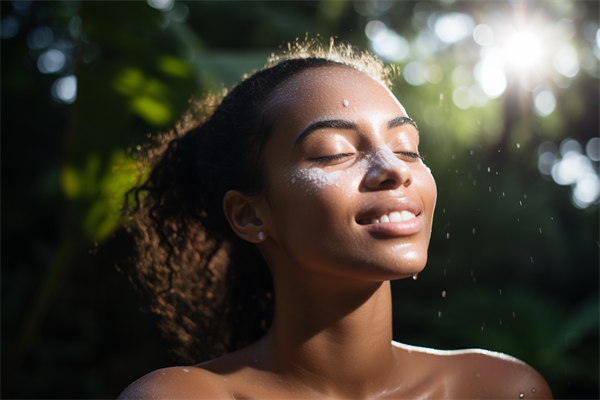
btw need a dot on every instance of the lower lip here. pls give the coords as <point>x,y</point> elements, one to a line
<point>403,228</point>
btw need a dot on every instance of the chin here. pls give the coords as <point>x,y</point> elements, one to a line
<point>408,264</point>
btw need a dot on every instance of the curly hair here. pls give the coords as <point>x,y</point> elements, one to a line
<point>211,291</point>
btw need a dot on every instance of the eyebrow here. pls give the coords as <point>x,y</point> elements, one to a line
<point>341,124</point>
<point>329,123</point>
<point>399,121</point>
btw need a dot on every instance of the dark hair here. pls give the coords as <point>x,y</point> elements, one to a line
<point>211,291</point>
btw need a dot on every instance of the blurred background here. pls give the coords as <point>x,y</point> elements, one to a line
<point>506,96</point>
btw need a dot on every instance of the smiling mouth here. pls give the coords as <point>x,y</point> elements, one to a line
<point>394,216</point>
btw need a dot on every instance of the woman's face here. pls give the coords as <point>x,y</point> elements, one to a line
<point>348,195</point>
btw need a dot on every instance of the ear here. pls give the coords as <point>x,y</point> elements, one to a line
<point>241,213</point>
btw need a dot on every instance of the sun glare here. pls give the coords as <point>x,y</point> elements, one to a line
<point>523,49</point>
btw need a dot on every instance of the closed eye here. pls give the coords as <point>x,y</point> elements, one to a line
<point>335,157</point>
<point>410,154</point>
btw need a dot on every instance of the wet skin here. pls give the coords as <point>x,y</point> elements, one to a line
<point>341,154</point>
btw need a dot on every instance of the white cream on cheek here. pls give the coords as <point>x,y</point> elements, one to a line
<point>317,177</point>
<point>315,180</point>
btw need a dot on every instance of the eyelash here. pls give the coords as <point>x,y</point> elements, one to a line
<point>331,158</point>
<point>411,154</point>
<point>337,157</point>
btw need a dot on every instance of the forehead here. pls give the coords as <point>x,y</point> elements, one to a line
<point>333,92</point>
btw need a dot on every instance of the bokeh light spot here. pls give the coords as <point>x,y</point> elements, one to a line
<point>593,149</point>
<point>544,103</point>
<point>65,89</point>
<point>453,27</point>
<point>565,61</point>
<point>40,38</point>
<point>414,73</point>
<point>51,61</point>
<point>163,5</point>
<point>9,27</point>
<point>434,73</point>
<point>385,42</point>
<point>483,35</point>
<point>181,12</point>
<point>462,97</point>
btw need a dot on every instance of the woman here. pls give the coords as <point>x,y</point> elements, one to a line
<point>315,163</point>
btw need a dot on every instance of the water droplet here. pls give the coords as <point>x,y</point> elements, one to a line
<point>518,145</point>
<point>502,194</point>
<point>453,156</point>
<point>488,169</point>
<point>473,231</point>
<point>498,151</point>
<point>521,395</point>
<point>444,292</point>
<point>471,152</point>
<point>520,203</point>
<point>186,370</point>
<point>415,277</point>
<point>517,219</point>
<point>441,96</point>
<point>533,390</point>
<point>444,211</point>
<point>500,290</point>
<point>500,322</point>
<point>531,260</point>
<point>447,236</point>
<point>293,180</point>
<point>346,103</point>
<point>513,314</point>
<point>540,230</point>
<point>524,196</point>
<point>490,188</point>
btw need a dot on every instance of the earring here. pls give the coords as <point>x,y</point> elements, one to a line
<point>261,236</point>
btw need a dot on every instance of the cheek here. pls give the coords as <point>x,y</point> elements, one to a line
<point>312,201</point>
<point>425,185</point>
<point>324,187</point>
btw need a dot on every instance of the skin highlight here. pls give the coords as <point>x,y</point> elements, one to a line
<point>331,335</point>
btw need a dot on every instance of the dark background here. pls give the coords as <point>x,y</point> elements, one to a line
<point>513,259</point>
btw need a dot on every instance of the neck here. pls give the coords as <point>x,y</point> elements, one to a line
<point>331,333</point>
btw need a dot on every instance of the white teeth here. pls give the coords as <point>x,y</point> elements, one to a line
<point>395,216</point>
<point>406,215</point>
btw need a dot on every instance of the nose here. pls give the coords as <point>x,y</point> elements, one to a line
<point>386,171</point>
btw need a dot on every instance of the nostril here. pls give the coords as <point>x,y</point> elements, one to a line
<point>388,182</point>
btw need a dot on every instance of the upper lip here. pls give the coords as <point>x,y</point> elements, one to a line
<point>387,206</point>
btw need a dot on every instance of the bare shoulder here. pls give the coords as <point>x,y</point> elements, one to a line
<point>497,375</point>
<point>476,373</point>
<point>176,383</point>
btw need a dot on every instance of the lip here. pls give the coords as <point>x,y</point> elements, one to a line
<point>401,228</point>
